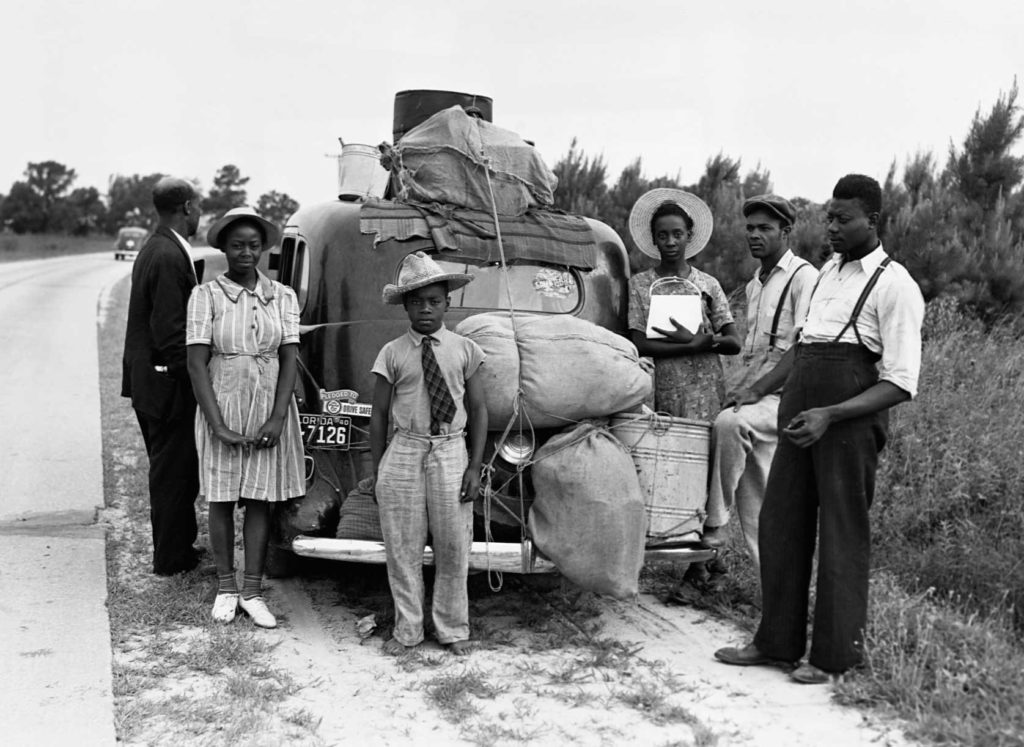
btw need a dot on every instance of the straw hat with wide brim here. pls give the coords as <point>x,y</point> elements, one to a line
<point>418,270</point>
<point>649,202</point>
<point>216,234</point>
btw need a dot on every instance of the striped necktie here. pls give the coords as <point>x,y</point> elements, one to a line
<point>442,406</point>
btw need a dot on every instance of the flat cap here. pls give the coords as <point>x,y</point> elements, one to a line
<point>774,204</point>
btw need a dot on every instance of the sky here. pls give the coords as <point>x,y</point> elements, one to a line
<point>808,90</point>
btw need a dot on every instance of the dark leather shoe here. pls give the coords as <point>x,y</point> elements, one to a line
<point>748,656</point>
<point>192,560</point>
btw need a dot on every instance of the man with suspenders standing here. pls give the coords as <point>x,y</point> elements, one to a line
<point>859,354</point>
<point>745,433</point>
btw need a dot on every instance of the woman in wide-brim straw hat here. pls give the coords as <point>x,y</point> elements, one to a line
<point>242,334</point>
<point>673,226</point>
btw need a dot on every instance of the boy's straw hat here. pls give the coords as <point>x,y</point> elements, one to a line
<point>215,235</point>
<point>692,205</point>
<point>418,270</point>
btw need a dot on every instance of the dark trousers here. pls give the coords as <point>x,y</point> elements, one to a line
<point>824,490</point>
<point>173,487</point>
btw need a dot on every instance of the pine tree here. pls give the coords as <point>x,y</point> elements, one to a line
<point>985,169</point>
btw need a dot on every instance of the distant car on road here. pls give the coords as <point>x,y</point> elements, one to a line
<point>129,240</point>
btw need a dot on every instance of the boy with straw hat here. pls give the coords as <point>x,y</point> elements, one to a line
<point>425,480</point>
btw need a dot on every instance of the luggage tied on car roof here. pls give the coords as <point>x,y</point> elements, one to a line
<point>537,236</point>
<point>461,160</point>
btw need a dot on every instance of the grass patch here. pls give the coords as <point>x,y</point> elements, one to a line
<point>150,607</point>
<point>947,613</point>
<point>14,247</point>
<point>643,696</point>
<point>958,675</point>
<point>493,734</point>
<point>226,648</point>
<point>950,513</point>
<point>452,693</point>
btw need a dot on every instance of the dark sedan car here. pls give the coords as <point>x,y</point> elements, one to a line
<point>129,241</point>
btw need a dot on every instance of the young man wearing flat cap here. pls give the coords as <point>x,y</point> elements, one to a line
<point>859,354</point>
<point>746,432</point>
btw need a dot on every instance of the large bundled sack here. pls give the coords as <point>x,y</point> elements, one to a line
<point>569,369</point>
<point>443,160</point>
<point>588,513</point>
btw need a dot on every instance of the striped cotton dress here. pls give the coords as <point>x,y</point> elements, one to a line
<point>244,330</point>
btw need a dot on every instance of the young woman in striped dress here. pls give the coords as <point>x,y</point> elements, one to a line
<point>242,336</point>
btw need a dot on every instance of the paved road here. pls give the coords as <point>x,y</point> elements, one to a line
<point>54,630</point>
<point>49,392</point>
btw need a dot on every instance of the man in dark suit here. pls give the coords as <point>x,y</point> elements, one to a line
<point>155,373</point>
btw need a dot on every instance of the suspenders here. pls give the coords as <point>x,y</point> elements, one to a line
<point>861,301</point>
<point>774,334</point>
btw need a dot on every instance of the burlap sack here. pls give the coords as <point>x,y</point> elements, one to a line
<point>569,368</point>
<point>588,514</point>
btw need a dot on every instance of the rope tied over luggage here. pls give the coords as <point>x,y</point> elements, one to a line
<point>495,579</point>
<point>495,497</point>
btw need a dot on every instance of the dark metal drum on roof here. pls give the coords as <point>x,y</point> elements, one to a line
<point>414,107</point>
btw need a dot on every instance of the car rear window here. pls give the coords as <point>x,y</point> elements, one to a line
<point>535,287</point>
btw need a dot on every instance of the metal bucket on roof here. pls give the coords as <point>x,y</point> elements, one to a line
<point>360,174</point>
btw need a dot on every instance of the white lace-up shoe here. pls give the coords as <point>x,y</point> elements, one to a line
<point>256,608</point>
<point>225,607</point>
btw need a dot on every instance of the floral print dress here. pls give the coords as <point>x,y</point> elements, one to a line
<point>685,386</point>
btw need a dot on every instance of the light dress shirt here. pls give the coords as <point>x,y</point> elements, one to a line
<point>400,362</point>
<point>889,324</point>
<point>187,248</point>
<point>763,299</point>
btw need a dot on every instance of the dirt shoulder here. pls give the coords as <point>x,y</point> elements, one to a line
<point>553,665</point>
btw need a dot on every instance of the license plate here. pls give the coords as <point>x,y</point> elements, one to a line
<point>325,431</point>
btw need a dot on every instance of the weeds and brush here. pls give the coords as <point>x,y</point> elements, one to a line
<point>452,693</point>
<point>136,606</point>
<point>224,649</point>
<point>494,734</point>
<point>734,596</point>
<point>960,674</point>
<point>948,596</point>
<point>950,511</point>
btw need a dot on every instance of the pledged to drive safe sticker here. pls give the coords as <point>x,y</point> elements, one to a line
<point>343,402</point>
<point>355,409</point>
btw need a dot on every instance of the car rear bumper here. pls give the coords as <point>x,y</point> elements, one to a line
<point>508,557</point>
